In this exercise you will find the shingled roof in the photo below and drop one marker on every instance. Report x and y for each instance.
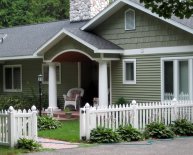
(26, 40)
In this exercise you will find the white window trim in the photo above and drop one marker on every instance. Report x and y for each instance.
(176, 85)
(124, 71)
(126, 20)
(57, 64)
(12, 90)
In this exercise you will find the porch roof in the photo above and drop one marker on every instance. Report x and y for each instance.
(23, 41)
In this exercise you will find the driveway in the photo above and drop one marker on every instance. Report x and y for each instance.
(179, 146)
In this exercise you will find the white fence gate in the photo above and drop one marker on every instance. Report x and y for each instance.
(136, 114)
(17, 124)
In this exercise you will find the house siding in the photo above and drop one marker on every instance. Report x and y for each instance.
(32, 68)
(149, 32)
(1, 78)
(148, 78)
(67, 44)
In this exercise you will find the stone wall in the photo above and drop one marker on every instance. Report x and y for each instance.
(86, 9)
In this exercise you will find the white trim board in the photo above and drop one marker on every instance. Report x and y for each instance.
(104, 14)
(159, 50)
(63, 33)
(21, 57)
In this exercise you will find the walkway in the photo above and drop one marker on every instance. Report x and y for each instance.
(180, 146)
(55, 144)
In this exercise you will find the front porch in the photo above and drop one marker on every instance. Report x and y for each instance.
(90, 74)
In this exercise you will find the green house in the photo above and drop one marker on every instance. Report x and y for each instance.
(110, 50)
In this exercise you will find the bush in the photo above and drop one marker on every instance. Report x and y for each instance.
(104, 135)
(47, 122)
(28, 144)
(121, 101)
(182, 127)
(158, 130)
(18, 102)
(128, 133)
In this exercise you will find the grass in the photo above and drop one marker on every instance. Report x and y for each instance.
(68, 132)
(4, 150)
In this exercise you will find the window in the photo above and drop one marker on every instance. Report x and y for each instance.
(12, 78)
(129, 71)
(45, 73)
(176, 79)
(130, 19)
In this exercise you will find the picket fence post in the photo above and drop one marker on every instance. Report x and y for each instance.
(82, 124)
(87, 126)
(34, 123)
(174, 114)
(11, 127)
(135, 114)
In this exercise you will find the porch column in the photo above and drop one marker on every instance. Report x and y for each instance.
(103, 84)
(52, 87)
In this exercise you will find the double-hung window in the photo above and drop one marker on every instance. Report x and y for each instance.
(130, 19)
(45, 73)
(129, 71)
(12, 78)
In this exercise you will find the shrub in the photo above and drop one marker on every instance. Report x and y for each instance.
(158, 130)
(121, 101)
(28, 144)
(18, 102)
(104, 135)
(128, 133)
(47, 122)
(182, 127)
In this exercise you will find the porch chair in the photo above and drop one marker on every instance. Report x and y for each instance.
(73, 97)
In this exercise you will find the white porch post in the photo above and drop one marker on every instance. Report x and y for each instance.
(52, 87)
(103, 84)
(176, 79)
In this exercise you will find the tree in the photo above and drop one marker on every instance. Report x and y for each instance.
(21, 12)
(167, 8)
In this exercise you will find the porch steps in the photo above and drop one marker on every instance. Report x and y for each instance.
(61, 116)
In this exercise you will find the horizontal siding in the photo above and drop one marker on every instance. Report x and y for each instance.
(149, 32)
(1, 78)
(148, 81)
(32, 68)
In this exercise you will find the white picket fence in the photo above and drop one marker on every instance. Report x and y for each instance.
(136, 114)
(15, 124)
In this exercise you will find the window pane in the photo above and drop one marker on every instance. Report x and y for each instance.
(183, 80)
(168, 80)
(58, 73)
(16, 78)
(45, 72)
(8, 78)
(130, 20)
(129, 71)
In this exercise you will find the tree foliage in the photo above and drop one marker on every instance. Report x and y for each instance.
(167, 8)
(21, 12)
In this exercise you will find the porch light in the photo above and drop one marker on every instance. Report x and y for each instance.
(40, 79)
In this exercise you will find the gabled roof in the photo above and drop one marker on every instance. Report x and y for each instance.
(185, 24)
(27, 40)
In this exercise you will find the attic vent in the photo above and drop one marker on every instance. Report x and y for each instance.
(2, 37)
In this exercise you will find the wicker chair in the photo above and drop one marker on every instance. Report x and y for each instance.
(73, 97)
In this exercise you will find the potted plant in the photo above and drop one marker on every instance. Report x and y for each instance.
(68, 112)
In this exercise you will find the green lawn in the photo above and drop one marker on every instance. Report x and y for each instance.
(68, 132)
(4, 150)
